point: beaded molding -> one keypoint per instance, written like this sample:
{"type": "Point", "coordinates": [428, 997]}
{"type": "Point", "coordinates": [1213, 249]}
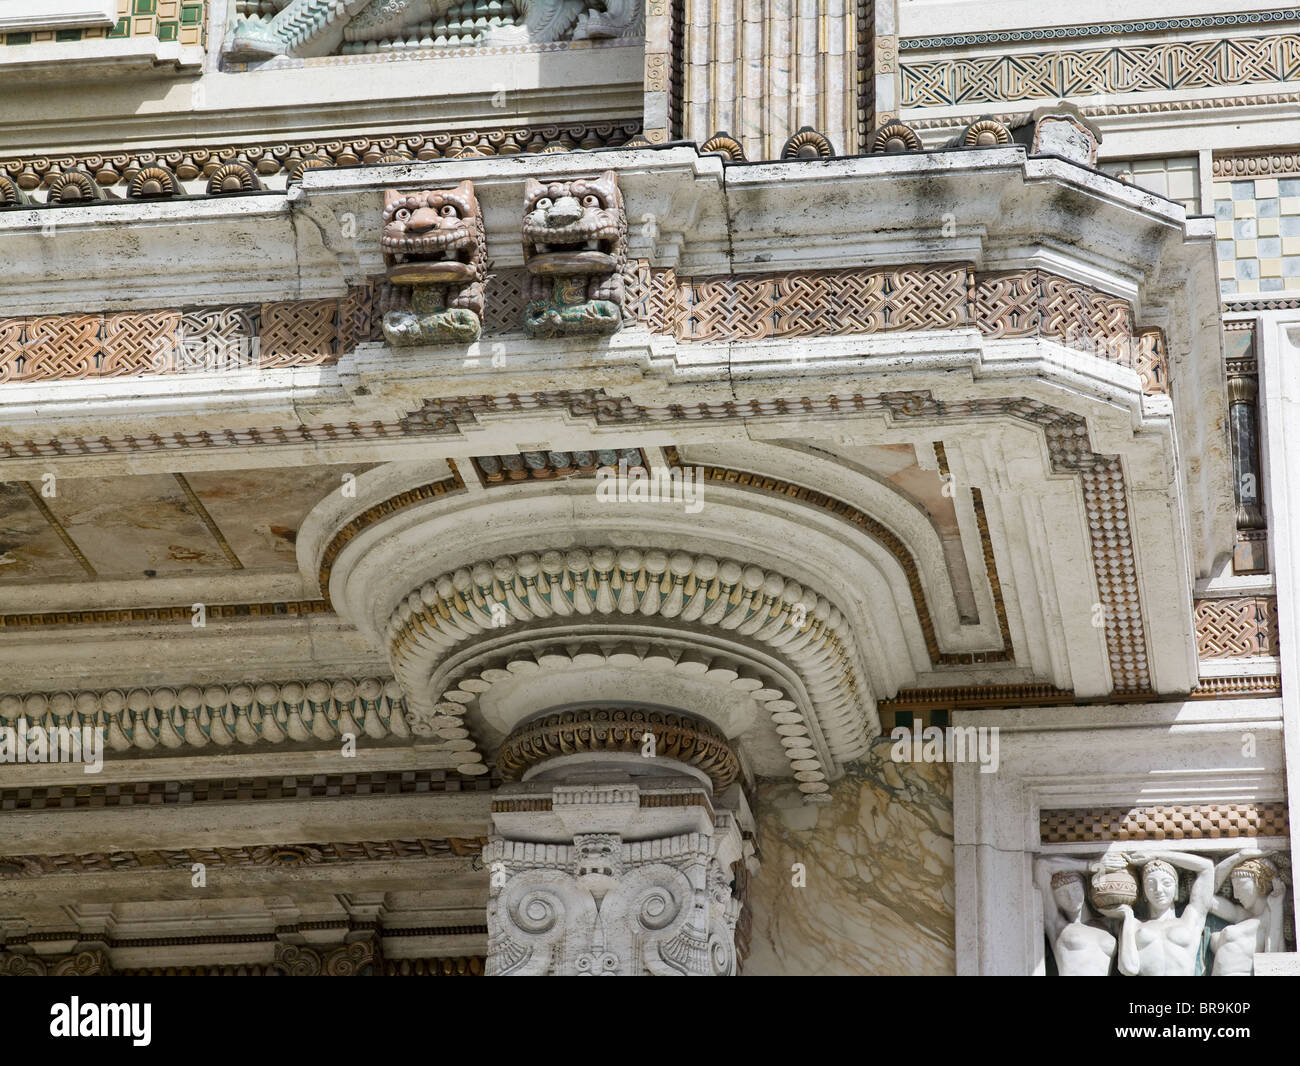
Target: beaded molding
{"type": "Point", "coordinates": [804, 628]}
{"type": "Point", "coordinates": [590, 729]}
{"type": "Point", "coordinates": [317, 713]}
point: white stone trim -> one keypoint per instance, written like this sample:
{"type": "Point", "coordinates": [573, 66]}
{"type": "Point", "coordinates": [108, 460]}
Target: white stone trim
{"type": "Point", "coordinates": [1278, 353]}
{"type": "Point", "coordinates": [96, 60]}
{"type": "Point", "coordinates": [464, 814]}
{"type": "Point", "coordinates": [925, 18]}
{"type": "Point", "coordinates": [19, 15]}
{"type": "Point", "coordinates": [835, 478]}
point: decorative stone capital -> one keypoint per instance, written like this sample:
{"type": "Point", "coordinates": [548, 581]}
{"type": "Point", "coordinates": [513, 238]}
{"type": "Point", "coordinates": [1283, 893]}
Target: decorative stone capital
{"type": "Point", "coordinates": [601, 867]}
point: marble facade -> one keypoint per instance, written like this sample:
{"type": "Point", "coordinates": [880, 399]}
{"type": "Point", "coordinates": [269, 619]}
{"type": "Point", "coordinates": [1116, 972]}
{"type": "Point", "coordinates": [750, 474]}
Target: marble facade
{"type": "Point", "coordinates": [875, 896]}
{"type": "Point", "coordinates": [666, 488]}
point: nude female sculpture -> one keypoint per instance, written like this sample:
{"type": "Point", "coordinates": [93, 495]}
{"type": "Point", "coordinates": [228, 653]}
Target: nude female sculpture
{"type": "Point", "coordinates": [1080, 949]}
{"type": "Point", "coordinates": [1167, 943]}
{"type": "Point", "coordinates": [1256, 917]}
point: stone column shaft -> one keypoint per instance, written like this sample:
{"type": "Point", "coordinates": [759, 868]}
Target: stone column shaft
{"type": "Point", "coordinates": [1242, 393]}
{"type": "Point", "coordinates": [760, 70]}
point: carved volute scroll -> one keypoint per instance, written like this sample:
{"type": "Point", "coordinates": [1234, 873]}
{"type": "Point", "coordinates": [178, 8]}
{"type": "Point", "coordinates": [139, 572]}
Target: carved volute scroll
{"type": "Point", "coordinates": [615, 857]}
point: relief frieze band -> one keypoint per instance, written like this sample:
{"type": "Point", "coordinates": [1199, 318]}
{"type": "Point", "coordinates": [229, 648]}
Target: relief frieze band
{"type": "Point", "coordinates": [114, 171]}
{"type": "Point", "coordinates": [1236, 627]}
{"type": "Point", "coordinates": [131, 343]}
{"type": "Point", "coordinates": [1098, 824]}
{"type": "Point", "coordinates": [355, 959]}
{"type": "Point", "coordinates": [1162, 66]}
{"type": "Point", "coordinates": [268, 855]}
{"type": "Point", "coordinates": [1164, 912]}
{"type": "Point", "coordinates": [1030, 303]}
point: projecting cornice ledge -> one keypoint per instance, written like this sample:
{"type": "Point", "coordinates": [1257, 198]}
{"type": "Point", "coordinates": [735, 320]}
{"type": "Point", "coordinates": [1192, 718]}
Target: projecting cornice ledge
{"type": "Point", "coordinates": [995, 208]}
{"type": "Point", "coordinates": [1013, 245]}
{"type": "Point", "coordinates": [120, 254]}
{"type": "Point", "coordinates": [67, 62]}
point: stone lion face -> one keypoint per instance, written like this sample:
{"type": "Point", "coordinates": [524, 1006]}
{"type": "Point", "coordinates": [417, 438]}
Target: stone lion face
{"type": "Point", "coordinates": [581, 215]}
{"type": "Point", "coordinates": [432, 226]}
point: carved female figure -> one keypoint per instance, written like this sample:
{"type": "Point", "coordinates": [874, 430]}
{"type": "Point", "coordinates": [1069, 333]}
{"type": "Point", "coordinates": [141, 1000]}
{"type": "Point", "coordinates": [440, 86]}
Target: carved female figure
{"type": "Point", "coordinates": [1256, 916]}
{"type": "Point", "coordinates": [1080, 948]}
{"type": "Point", "coordinates": [1167, 943]}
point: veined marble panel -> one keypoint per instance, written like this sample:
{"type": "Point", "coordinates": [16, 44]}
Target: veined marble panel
{"type": "Point", "coordinates": [879, 897]}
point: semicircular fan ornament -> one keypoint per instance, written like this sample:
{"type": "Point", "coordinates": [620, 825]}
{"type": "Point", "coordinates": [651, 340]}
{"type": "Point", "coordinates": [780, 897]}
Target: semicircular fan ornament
{"type": "Point", "coordinates": [10, 194]}
{"type": "Point", "coordinates": [807, 144]}
{"type": "Point", "coordinates": [151, 182]}
{"type": "Point", "coordinates": [74, 186]}
{"type": "Point", "coordinates": [894, 137]}
{"type": "Point", "coordinates": [232, 177]}
{"type": "Point", "coordinates": [307, 162]}
{"type": "Point", "coordinates": [724, 144]}
{"type": "Point", "coordinates": [985, 133]}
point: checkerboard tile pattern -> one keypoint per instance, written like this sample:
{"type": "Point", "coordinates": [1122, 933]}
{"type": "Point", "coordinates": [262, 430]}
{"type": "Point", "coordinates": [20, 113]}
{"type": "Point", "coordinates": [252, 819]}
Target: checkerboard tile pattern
{"type": "Point", "coordinates": [168, 20]}
{"type": "Point", "coordinates": [1176, 178]}
{"type": "Point", "coordinates": [1257, 223]}
{"type": "Point", "coordinates": [1209, 822]}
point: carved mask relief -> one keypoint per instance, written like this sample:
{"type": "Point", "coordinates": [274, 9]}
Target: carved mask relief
{"type": "Point", "coordinates": [434, 245]}
{"type": "Point", "coordinates": [575, 248]}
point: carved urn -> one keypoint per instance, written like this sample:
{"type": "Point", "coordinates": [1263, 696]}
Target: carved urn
{"type": "Point", "coordinates": [1111, 888]}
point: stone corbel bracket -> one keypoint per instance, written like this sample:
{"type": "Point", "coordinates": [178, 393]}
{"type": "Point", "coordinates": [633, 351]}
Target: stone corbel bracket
{"type": "Point", "coordinates": [589, 591]}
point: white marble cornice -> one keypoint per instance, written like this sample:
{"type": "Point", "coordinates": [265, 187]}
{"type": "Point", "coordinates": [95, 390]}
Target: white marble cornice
{"type": "Point", "coordinates": [995, 208]}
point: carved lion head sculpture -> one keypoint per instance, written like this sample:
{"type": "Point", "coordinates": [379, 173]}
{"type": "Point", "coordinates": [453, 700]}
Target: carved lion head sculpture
{"type": "Point", "coordinates": [434, 237]}
{"type": "Point", "coordinates": [574, 227]}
